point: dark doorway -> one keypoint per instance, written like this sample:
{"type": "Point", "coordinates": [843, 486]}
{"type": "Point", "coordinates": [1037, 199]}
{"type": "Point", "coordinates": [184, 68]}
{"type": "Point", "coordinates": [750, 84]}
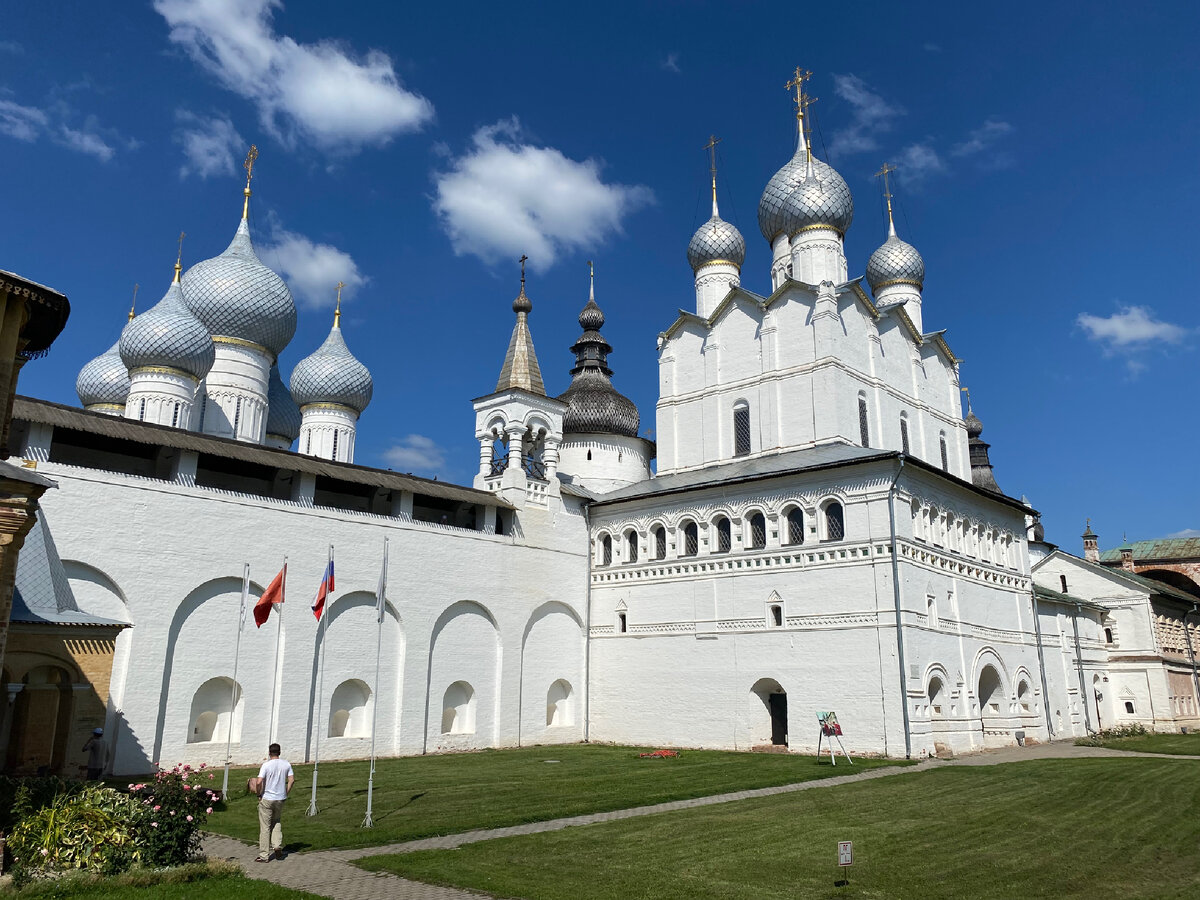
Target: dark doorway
{"type": "Point", "coordinates": [777, 703]}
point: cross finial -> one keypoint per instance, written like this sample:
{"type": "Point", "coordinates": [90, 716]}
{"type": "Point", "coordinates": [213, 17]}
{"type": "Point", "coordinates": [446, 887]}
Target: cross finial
{"type": "Point", "coordinates": [179, 258]}
{"type": "Point", "coordinates": [711, 147]}
{"type": "Point", "coordinates": [883, 173]}
{"type": "Point", "coordinates": [248, 165]}
{"type": "Point", "coordinates": [967, 391]}
{"type": "Point", "coordinates": [133, 305]}
{"type": "Point", "coordinates": [523, 258]}
{"type": "Point", "coordinates": [591, 280]}
{"type": "Point", "coordinates": [803, 101]}
{"type": "Point", "coordinates": [337, 312]}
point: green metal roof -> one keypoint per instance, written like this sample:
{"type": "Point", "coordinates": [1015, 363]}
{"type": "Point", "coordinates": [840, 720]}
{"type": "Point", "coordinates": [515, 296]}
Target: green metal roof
{"type": "Point", "coordinates": [1160, 548]}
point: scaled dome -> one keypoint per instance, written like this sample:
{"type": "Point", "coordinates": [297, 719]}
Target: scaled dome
{"type": "Point", "coordinates": [716, 241]}
{"type": "Point", "coordinates": [594, 406]}
{"type": "Point", "coordinates": [792, 201]}
{"type": "Point", "coordinates": [331, 374]}
{"type": "Point", "coordinates": [895, 262]}
{"type": "Point", "coordinates": [235, 295]}
{"type": "Point", "coordinates": [104, 380]}
{"type": "Point", "coordinates": [283, 415]}
{"type": "Point", "coordinates": [168, 335]}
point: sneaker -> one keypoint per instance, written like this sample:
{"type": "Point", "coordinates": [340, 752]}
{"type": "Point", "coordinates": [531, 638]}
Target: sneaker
{"type": "Point", "coordinates": [262, 859]}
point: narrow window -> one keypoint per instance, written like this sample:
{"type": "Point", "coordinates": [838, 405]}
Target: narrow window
{"type": "Point", "coordinates": [691, 539]}
{"type": "Point", "coordinates": [1108, 636]}
{"type": "Point", "coordinates": [237, 417]}
{"type": "Point", "coordinates": [606, 551]}
{"type": "Point", "coordinates": [203, 410]}
{"type": "Point", "coordinates": [1063, 581]}
{"type": "Point", "coordinates": [945, 455]}
{"type": "Point", "coordinates": [499, 522]}
{"type": "Point", "coordinates": [723, 535]}
{"type": "Point", "coordinates": [1129, 707]}
{"type": "Point", "coordinates": [335, 442]}
{"type": "Point", "coordinates": [835, 524]}
{"type": "Point", "coordinates": [864, 434]}
{"type": "Point", "coordinates": [499, 453]}
{"type": "Point", "coordinates": [622, 624]}
{"type": "Point", "coordinates": [631, 546]}
{"type": "Point", "coordinates": [142, 410]}
{"type": "Point", "coordinates": [741, 430]}
{"type": "Point", "coordinates": [589, 457]}
{"type": "Point", "coordinates": [758, 531]}
{"type": "Point", "coordinates": [660, 543]}
{"type": "Point", "coordinates": [175, 416]}
{"type": "Point", "coordinates": [776, 615]}
{"type": "Point", "coordinates": [308, 443]}
{"type": "Point", "coordinates": [795, 525]}
{"type": "Point", "coordinates": [904, 434]}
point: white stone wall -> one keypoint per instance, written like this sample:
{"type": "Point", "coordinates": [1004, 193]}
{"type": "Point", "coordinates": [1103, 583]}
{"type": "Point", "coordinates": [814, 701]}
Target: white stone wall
{"type": "Point", "coordinates": [604, 462]}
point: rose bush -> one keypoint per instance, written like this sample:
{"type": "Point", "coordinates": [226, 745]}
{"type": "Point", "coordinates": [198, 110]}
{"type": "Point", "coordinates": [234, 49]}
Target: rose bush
{"type": "Point", "coordinates": [174, 807]}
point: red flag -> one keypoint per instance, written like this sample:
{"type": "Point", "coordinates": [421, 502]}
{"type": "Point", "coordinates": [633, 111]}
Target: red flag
{"type": "Point", "coordinates": [324, 590]}
{"type": "Point", "coordinates": [273, 594]}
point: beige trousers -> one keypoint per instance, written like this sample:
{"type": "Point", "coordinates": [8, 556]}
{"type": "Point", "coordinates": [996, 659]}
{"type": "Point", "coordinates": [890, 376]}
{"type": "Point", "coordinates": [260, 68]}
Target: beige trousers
{"type": "Point", "coordinates": [270, 830]}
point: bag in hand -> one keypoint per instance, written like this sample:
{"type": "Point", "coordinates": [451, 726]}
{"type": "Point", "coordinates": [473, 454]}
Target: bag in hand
{"type": "Point", "coordinates": [256, 785]}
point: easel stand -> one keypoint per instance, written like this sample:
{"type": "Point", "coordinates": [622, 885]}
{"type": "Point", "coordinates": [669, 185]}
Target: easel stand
{"type": "Point", "coordinates": [829, 744]}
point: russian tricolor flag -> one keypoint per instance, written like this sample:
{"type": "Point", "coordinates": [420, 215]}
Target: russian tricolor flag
{"type": "Point", "coordinates": [325, 589]}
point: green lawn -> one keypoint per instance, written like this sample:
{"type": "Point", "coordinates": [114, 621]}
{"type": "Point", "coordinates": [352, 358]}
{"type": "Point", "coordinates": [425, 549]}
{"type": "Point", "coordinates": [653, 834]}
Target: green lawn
{"type": "Point", "coordinates": [1083, 828]}
{"type": "Point", "coordinates": [196, 882]}
{"type": "Point", "coordinates": [1174, 744]}
{"type": "Point", "coordinates": [443, 794]}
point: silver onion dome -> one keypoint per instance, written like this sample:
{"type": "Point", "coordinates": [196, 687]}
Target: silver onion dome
{"type": "Point", "coordinates": [895, 262]}
{"type": "Point", "coordinates": [283, 415]}
{"type": "Point", "coordinates": [716, 241]}
{"type": "Point", "coordinates": [331, 374]}
{"type": "Point", "coordinates": [594, 406]}
{"type": "Point", "coordinates": [104, 380]}
{"type": "Point", "coordinates": [794, 198]}
{"type": "Point", "coordinates": [235, 295]}
{"type": "Point", "coordinates": [168, 335]}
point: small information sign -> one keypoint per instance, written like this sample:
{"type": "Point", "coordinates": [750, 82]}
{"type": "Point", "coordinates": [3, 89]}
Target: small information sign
{"type": "Point", "coordinates": [845, 853]}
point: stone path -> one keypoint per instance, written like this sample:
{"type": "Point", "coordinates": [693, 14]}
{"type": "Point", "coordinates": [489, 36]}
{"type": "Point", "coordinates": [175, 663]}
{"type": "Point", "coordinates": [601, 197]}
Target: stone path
{"type": "Point", "coordinates": [330, 874]}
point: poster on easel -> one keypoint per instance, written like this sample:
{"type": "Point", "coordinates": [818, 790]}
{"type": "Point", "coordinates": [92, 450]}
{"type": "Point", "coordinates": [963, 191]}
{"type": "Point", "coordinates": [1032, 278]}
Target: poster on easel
{"type": "Point", "coordinates": [831, 731]}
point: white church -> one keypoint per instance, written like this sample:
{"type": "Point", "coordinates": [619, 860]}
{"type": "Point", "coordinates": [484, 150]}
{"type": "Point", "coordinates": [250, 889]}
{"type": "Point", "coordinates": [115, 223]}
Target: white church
{"type": "Point", "coordinates": [820, 531]}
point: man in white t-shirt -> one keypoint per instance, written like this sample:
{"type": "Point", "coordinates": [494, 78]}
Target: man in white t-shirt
{"type": "Point", "coordinates": [277, 780]}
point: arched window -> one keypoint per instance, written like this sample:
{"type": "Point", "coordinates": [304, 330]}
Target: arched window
{"type": "Point", "coordinates": [458, 709]}
{"type": "Point", "coordinates": [691, 539]}
{"type": "Point", "coordinates": [175, 416]}
{"type": "Point", "coordinates": [216, 710]}
{"type": "Point", "coordinates": [904, 433]}
{"type": "Point", "coordinates": [864, 433]}
{"type": "Point", "coordinates": [622, 623]}
{"type": "Point", "coordinates": [335, 443]}
{"type": "Point", "coordinates": [795, 525]}
{"type": "Point", "coordinates": [631, 546]}
{"type": "Point", "coordinates": [936, 692]}
{"type": "Point", "coordinates": [1108, 636]}
{"type": "Point", "coordinates": [945, 453]}
{"type": "Point", "coordinates": [660, 542]}
{"type": "Point", "coordinates": [758, 531]}
{"type": "Point", "coordinates": [1024, 696]}
{"type": "Point", "coordinates": [605, 550]}
{"type": "Point", "coordinates": [741, 429]}
{"type": "Point", "coordinates": [724, 535]}
{"type": "Point", "coordinates": [560, 706]}
{"type": "Point", "coordinates": [835, 522]}
{"type": "Point", "coordinates": [534, 452]}
{"type": "Point", "coordinates": [350, 710]}
{"type": "Point", "coordinates": [142, 410]}
{"type": "Point", "coordinates": [776, 615]}
{"type": "Point", "coordinates": [499, 452]}
{"type": "Point", "coordinates": [931, 611]}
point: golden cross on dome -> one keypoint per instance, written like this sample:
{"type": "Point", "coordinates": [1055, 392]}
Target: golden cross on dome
{"type": "Point", "coordinates": [248, 165]}
{"type": "Point", "coordinates": [883, 173]}
{"type": "Point", "coordinates": [133, 305]}
{"type": "Point", "coordinates": [179, 258]}
{"type": "Point", "coordinates": [711, 147]}
{"type": "Point", "coordinates": [800, 76]}
{"type": "Point", "coordinates": [337, 312]}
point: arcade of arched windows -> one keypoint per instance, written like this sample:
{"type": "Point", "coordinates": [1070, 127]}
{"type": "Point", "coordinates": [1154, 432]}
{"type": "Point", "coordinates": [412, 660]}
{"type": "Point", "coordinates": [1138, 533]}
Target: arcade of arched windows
{"type": "Point", "coordinates": [964, 536]}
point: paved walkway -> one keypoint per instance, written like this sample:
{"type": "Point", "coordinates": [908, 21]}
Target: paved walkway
{"type": "Point", "coordinates": [330, 874]}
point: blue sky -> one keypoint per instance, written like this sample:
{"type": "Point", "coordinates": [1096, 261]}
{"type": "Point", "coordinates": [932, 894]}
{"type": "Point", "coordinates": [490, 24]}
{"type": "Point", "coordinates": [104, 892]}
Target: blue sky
{"type": "Point", "coordinates": [1049, 174]}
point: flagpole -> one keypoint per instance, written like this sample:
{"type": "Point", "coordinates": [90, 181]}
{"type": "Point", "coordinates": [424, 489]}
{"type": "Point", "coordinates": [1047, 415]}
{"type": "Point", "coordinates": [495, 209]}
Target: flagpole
{"type": "Point", "coordinates": [237, 649]}
{"type": "Point", "coordinates": [278, 639]}
{"type": "Point", "coordinates": [317, 713]}
{"type": "Point", "coordinates": [369, 821]}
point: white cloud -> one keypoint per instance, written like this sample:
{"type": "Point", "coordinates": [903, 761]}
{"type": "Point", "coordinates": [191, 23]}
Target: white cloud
{"type": "Point", "coordinates": [312, 270]}
{"type": "Point", "coordinates": [917, 162]}
{"type": "Point", "coordinates": [417, 455]}
{"type": "Point", "coordinates": [506, 197]}
{"type": "Point", "coordinates": [24, 123]}
{"type": "Point", "coordinates": [320, 92]}
{"type": "Point", "coordinates": [1186, 533]}
{"type": "Point", "coordinates": [872, 115]}
{"type": "Point", "coordinates": [982, 138]}
{"type": "Point", "coordinates": [671, 63]}
{"type": "Point", "coordinates": [85, 142]}
{"type": "Point", "coordinates": [930, 47]}
{"type": "Point", "coordinates": [1132, 328]}
{"type": "Point", "coordinates": [209, 144]}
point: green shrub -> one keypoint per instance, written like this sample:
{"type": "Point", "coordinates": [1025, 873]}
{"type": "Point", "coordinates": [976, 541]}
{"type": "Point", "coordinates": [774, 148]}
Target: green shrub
{"type": "Point", "coordinates": [1100, 738]}
{"type": "Point", "coordinates": [174, 806]}
{"type": "Point", "coordinates": [92, 828]}
{"type": "Point", "coordinates": [21, 797]}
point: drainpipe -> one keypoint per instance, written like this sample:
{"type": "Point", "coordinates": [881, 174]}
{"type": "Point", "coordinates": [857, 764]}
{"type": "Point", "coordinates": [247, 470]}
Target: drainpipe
{"type": "Point", "coordinates": [1083, 698]}
{"type": "Point", "coordinates": [1192, 655]}
{"type": "Point", "coordinates": [1037, 633]}
{"type": "Point", "coordinates": [587, 629]}
{"type": "Point", "coordinates": [899, 624]}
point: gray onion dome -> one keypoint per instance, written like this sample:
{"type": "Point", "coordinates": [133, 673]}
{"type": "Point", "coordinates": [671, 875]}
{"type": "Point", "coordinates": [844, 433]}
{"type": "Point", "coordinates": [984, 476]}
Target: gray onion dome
{"type": "Point", "coordinates": [283, 415]}
{"type": "Point", "coordinates": [332, 375]}
{"type": "Point", "coordinates": [794, 199]}
{"type": "Point", "coordinates": [168, 335]}
{"type": "Point", "coordinates": [716, 241]}
{"type": "Point", "coordinates": [235, 295]}
{"type": "Point", "coordinates": [104, 380]}
{"type": "Point", "coordinates": [896, 262]}
{"type": "Point", "coordinates": [594, 406]}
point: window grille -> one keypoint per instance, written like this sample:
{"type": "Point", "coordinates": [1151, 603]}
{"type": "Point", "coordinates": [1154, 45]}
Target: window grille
{"type": "Point", "coordinates": [237, 415]}
{"type": "Point", "coordinates": [631, 544]}
{"type": "Point", "coordinates": [606, 551]}
{"type": "Point", "coordinates": [864, 434]}
{"type": "Point", "coordinates": [691, 539]}
{"type": "Point", "coordinates": [660, 543]}
{"type": "Point", "coordinates": [904, 435]}
{"type": "Point", "coordinates": [741, 430]}
{"type": "Point", "coordinates": [335, 443]}
{"type": "Point", "coordinates": [499, 454]}
{"type": "Point", "coordinates": [945, 455]}
{"type": "Point", "coordinates": [835, 524]}
{"type": "Point", "coordinates": [308, 443]}
{"type": "Point", "coordinates": [535, 465]}
{"type": "Point", "coordinates": [142, 410]}
{"type": "Point", "coordinates": [724, 535]}
{"type": "Point", "coordinates": [203, 410]}
{"type": "Point", "coordinates": [758, 531]}
{"type": "Point", "coordinates": [795, 525]}
{"type": "Point", "coordinates": [175, 416]}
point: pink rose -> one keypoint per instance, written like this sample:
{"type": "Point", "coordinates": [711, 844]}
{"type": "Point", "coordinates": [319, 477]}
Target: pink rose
{"type": "Point", "coordinates": [157, 808]}
{"type": "Point", "coordinates": [153, 824]}
{"type": "Point", "coordinates": [45, 852]}
{"type": "Point", "coordinates": [208, 811]}
{"type": "Point", "coordinates": [189, 818]}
